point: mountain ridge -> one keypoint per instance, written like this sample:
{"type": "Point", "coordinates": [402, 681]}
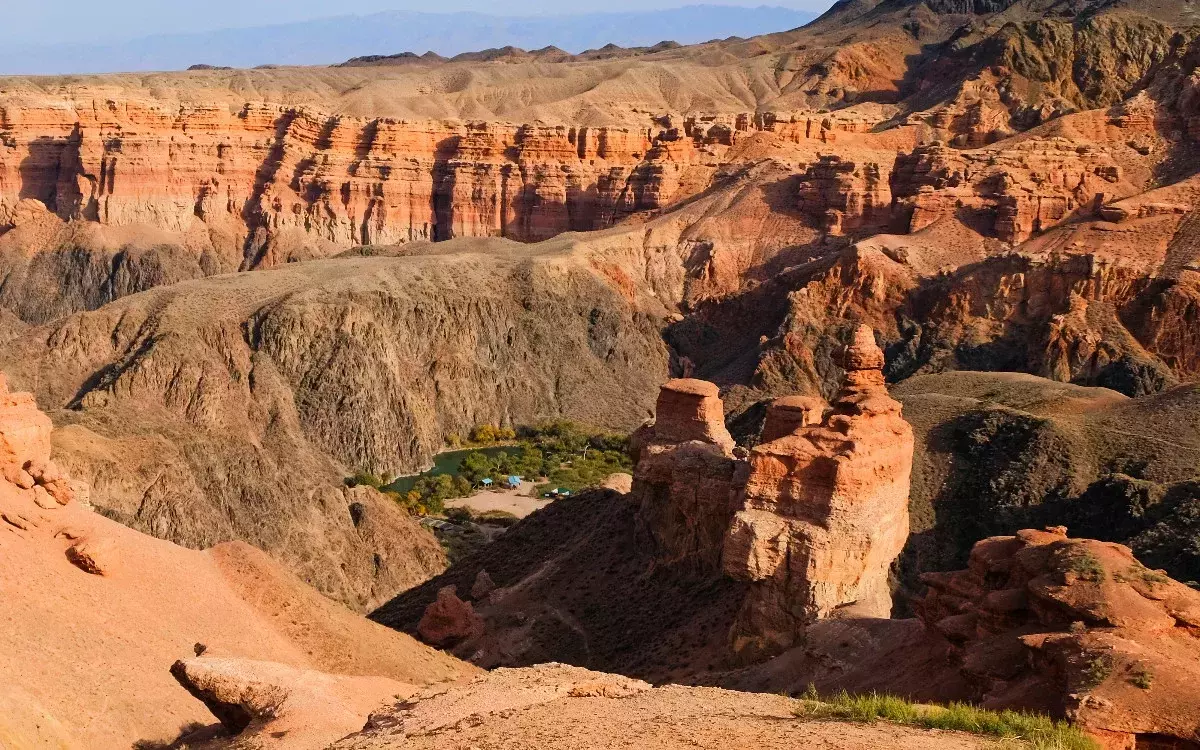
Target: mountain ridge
{"type": "Point", "coordinates": [337, 38]}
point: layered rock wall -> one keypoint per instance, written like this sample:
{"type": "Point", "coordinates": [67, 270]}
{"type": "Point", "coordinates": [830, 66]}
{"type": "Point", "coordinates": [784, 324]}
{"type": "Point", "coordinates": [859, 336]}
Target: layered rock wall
{"type": "Point", "coordinates": [1015, 193]}
{"type": "Point", "coordinates": [824, 513]}
{"type": "Point", "coordinates": [812, 518]}
{"type": "Point", "coordinates": [268, 183]}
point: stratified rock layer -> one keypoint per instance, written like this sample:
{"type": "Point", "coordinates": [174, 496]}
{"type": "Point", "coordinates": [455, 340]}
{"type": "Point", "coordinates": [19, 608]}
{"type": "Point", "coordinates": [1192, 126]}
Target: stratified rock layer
{"type": "Point", "coordinates": [824, 513]}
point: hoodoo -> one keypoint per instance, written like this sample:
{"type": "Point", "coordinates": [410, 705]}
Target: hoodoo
{"type": "Point", "coordinates": [824, 512]}
{"type": "Point", "coordinates": [812, 519]}
{"type": "Point", "coordinates": [684, 481]}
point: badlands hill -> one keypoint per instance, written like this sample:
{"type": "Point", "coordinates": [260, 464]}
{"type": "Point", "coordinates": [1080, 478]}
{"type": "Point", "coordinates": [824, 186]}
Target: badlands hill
{"type": "Point", "coordinates": [256, 282]}
{"type": "Point", "coordinates": [96, 613]}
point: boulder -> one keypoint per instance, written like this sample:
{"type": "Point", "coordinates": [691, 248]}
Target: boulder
{"type": "Point", "coordinates": [1077, 628]}
{"type": "Point", "coordinates": [449, 620]}
{"type": "Point", "coordinates": [95, 556]}
{"type": "Point", "coordinates": [273, 705]}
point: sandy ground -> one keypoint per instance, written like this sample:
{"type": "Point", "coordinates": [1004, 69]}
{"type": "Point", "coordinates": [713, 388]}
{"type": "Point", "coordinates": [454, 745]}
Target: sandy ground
{"type": "Point", "coordinates": [516, 501]}
{"type": "Point", "coordinates": [85, 659]}
{"type": "Point", "coordinates": [556, 707]}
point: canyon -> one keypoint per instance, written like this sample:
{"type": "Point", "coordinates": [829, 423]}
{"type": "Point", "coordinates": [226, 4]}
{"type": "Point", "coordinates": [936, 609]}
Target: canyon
{"type": "Point", "coordinates": [230, 254]}
{"type": "Point", "coordinates": [921, 279]}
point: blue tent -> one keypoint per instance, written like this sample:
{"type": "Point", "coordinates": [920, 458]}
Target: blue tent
{"type": "Point", "coordinates": [514, 481]}
{"type": "Point", "coordinates": [486, 482]}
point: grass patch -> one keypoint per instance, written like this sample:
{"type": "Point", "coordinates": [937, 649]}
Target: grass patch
{"type": "Point", "coordinates": [1141, 677]}
{"type": "Point", "coordinates": [1087, 567]}
{"type": "Point", "coordinates": [1037, 731]}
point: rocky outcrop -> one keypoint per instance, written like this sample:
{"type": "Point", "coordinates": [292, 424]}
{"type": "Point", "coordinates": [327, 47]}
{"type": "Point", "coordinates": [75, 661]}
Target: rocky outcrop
{"type": "Point", "coordinates": [1012, 193]}
{"type": "Point", "coordinates": [685, 476]}
{"type": "Point", "coordinates": [288, 707]}
{"type": "Point", "coordinates": [1076, 627]}
{"type": "Point", "coordinates": [449, 620]}
{"type": "Point", "coordinates": [790, 413]}
{"type": "Point", "coordinates": [824, 513]}
{"type": "Point", "coordinates": [549, 705]}
{"type": "Point", "coordinates": [843, 196]}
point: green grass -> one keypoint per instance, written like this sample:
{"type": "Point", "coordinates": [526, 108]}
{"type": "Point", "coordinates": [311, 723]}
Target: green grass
{"type": "Point", "coordinates": [1087, 567]}
{"type": "Point", "coordinates": [1036, 731]}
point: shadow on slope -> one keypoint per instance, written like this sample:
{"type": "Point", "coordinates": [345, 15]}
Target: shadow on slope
{"type": "Point", "coordinates": [578, 583]}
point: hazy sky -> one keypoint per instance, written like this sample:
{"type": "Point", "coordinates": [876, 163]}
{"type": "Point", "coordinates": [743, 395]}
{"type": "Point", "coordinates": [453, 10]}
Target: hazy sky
{"type": "Point", "coordinates": [50, 21]}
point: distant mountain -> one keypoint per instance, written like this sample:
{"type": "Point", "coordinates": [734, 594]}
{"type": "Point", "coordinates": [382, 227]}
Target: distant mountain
{"type": "Point", "coordinates": [333, 40]}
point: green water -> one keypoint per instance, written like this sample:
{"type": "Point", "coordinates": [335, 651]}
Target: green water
{"type": "Point", "coordinates": [449, 462]}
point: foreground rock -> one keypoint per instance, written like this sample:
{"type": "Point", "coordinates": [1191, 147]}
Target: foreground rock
{"type": "Point", "coordinates": [95, 613]}
{"type": "Point", "coordinates": [559, 707]}
{"type": "Point", "coordinates": [296, 709]}
{"type": "Point", "coordinates": [1075, 627]}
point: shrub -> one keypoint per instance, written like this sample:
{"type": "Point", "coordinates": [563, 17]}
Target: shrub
{"type": "Point", "coordinates": [1040, 732]}
{"type": "Point", "coordinates": [498, 517]}
{"type": "Point", "coordinates": [1142, 677]}
{"type": "Point", "coordinates": [1098, 670]}
{"type": "Point", "coordinates": [365, 479]}
{"type": "Point", "coordinates": [486, 434]}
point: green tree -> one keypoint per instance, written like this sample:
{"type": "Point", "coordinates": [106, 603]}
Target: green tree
{"type": "Point", "coordinates": [476, 465]}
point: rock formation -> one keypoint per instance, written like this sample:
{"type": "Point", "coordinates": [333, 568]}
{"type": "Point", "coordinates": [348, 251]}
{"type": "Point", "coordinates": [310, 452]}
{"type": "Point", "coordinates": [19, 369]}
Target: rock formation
{"type": "Point", "coordinates": [449, 620]}
{"type": "Point", "coordinates": [843, 196]}
{"type": "Point", "coordinates": [810, 521]}
{"type": "Point", "coordinates": [1075, 627]}
{"type": "Point", "coordinates": [1022, 190]}
{"type": "Point", "coordinates": [284, 706]}
{"type": "Point", "coordinates": [544, 706]}
{"type": "Point", "coordinates": [549, 705]}
{"type": "Point", "coordinates": [824, 513]}
{"type": "Point", "coordinates": [790, 413]}
{"type": "Point", "coordinates": [684, 480]}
